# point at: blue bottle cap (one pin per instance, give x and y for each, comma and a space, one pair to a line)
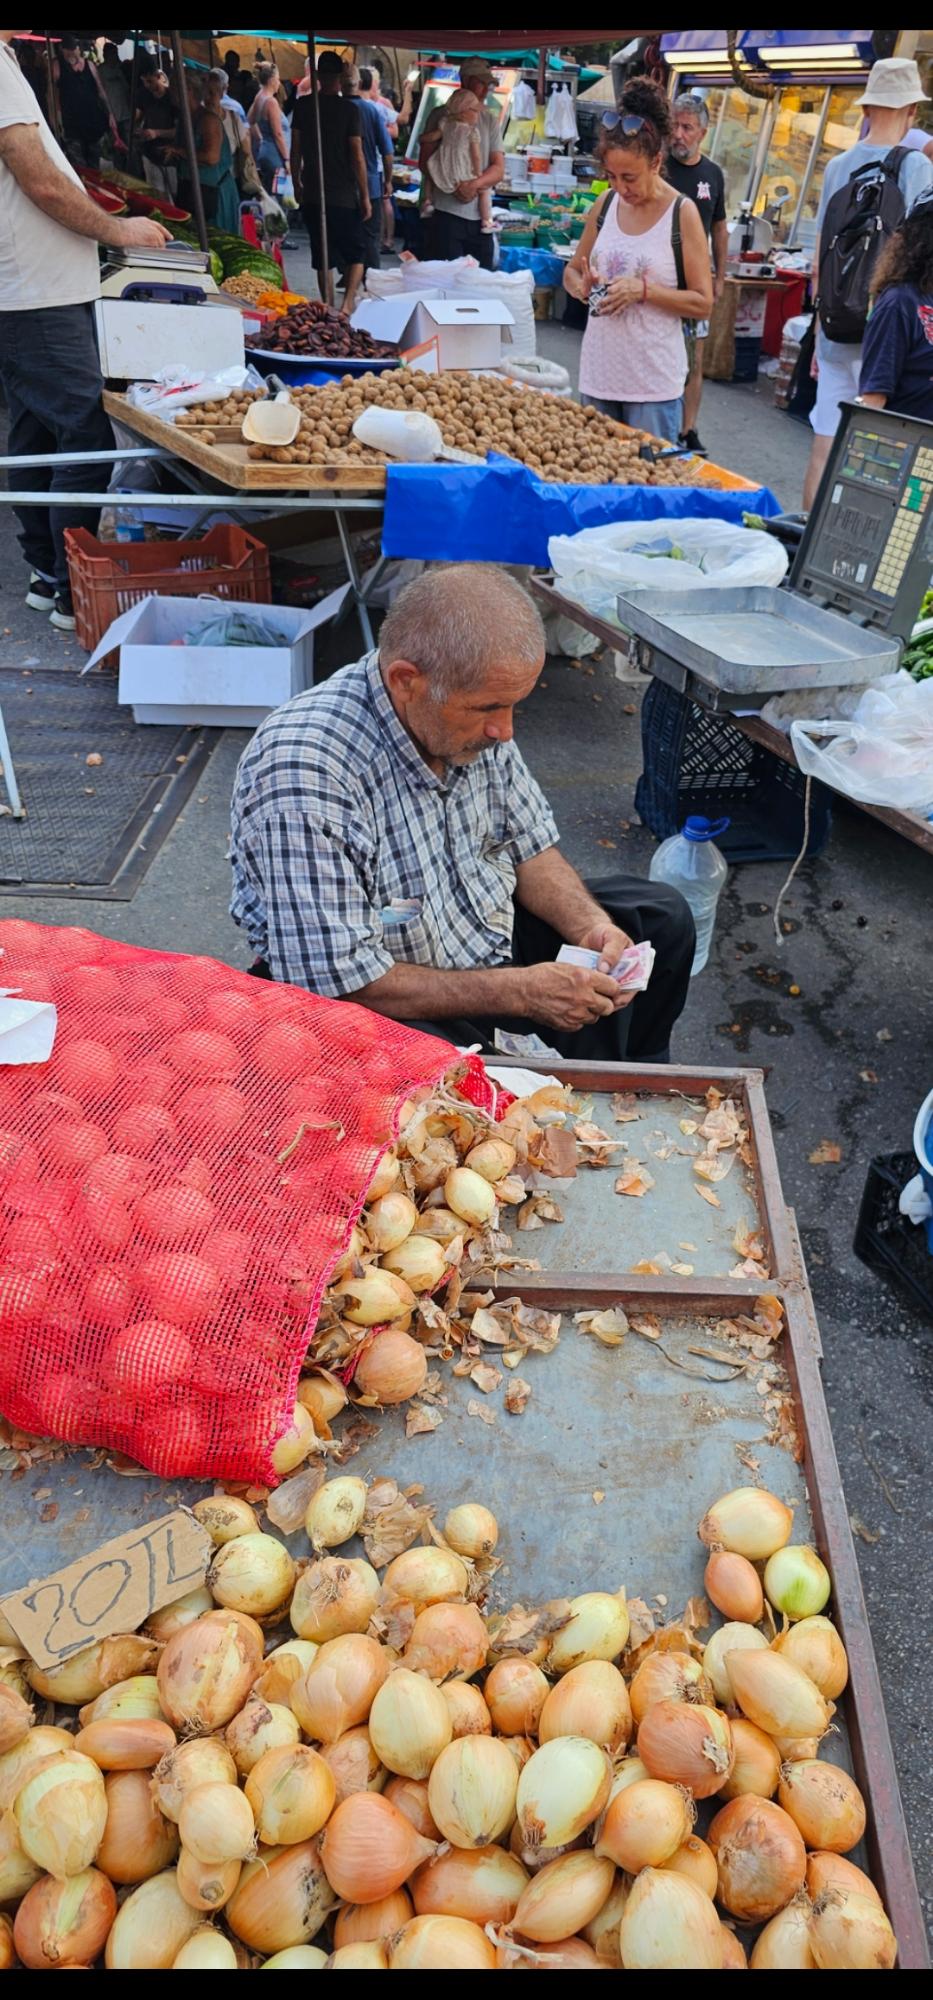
697, 828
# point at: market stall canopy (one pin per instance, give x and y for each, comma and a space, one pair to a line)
468, 41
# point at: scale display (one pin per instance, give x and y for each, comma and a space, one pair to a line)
868, 546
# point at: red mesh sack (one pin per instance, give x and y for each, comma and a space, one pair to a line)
176, 1183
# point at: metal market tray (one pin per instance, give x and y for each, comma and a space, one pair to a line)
759, 640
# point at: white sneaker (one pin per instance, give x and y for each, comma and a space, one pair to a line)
41, 593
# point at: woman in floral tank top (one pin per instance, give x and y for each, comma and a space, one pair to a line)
634, 361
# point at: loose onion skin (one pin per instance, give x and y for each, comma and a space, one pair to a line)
849, 1933
825, 1803
747, 1522
830, 1871
645, 1825
670, 1676
138, 1840
760, 1856
368, 1923
16, 1718
65, 1923
668, 1924
734, 1587
590, 1700
482, 1884
773, 1693
563, 1897
282, 1899
515, 1692
472, 1791
784, 1943
687, 1745
206, 1671
441, 1943
815, 1647
561, 1790
369, 1848
757, 1764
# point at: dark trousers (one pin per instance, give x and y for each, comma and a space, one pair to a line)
640, 1032
50, 371
453, 236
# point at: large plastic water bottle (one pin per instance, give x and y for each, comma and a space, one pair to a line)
691, 862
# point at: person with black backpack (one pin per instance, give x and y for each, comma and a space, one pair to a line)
866, 194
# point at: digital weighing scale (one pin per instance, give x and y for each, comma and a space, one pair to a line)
853, 593
178, 264
161, 309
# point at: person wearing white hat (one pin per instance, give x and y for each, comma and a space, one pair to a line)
891, 96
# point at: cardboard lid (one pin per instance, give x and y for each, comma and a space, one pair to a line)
467, 312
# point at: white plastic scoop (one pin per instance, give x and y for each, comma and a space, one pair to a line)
274, 420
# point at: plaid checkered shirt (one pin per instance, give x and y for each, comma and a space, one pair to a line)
350, 855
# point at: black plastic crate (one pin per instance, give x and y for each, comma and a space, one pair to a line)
695, 762
885, 1240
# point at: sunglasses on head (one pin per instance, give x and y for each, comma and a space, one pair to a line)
629, 123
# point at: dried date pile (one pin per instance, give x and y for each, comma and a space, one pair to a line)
314, 328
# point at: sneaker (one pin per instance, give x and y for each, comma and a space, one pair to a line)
41, 593
63, 616
692, 440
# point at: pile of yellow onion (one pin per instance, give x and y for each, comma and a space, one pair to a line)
439, 1189
489, 1792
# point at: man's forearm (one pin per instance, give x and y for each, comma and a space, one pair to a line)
494, 173
421, 993
720, 247
552, 890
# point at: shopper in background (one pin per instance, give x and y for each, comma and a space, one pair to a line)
115, 78
691, 173
455, 227
640, 286
49, 366
377, 152
86, 114
216, 151
891, 97
242, 83
897, 352
369, 94
270, 139
347, 205
33, 61
156, 119
391, 847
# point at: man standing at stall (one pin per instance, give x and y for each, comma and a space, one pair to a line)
694, 175
347, 206
456, 230
391, 847
49, 365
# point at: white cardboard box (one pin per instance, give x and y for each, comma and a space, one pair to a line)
225, 687
454, 332
138, 339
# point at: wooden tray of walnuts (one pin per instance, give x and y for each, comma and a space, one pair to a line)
559, 440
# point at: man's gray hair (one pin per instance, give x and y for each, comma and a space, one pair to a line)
687, 101
460, 624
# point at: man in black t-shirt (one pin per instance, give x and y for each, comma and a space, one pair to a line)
347, 204
702, 181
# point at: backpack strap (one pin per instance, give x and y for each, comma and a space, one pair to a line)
604, 210
893, 161
677, 244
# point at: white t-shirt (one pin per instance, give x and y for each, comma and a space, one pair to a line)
41, 262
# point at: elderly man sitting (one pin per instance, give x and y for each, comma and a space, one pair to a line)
391, 847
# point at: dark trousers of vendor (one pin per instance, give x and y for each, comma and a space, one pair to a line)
452, 236
641, 1032
50, 371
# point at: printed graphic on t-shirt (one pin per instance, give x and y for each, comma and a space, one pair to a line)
925, 316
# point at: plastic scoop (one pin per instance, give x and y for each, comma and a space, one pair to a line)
274, 420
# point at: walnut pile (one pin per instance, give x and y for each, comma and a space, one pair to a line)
559, 439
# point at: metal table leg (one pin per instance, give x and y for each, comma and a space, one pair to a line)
17, 807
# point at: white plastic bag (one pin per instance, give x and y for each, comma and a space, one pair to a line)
596, 564
883, 756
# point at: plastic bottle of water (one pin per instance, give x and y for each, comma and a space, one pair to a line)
130, 526
690, 862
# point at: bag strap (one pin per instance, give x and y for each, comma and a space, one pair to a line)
604, 210
677, 244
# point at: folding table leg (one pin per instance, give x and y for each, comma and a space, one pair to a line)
6, 761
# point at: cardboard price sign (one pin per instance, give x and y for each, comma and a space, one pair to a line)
113, 1589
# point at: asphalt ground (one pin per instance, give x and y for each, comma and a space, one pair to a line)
848, 1054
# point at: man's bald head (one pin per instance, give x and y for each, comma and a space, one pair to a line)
461, 646
462, 625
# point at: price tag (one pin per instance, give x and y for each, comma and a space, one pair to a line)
112, 1589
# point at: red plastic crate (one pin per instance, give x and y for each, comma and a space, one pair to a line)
108, 577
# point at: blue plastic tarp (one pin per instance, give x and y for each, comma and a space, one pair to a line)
500, 512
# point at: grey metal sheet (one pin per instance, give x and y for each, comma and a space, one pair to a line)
605, 1231
755, 639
